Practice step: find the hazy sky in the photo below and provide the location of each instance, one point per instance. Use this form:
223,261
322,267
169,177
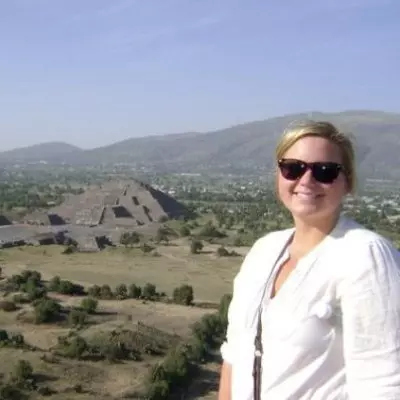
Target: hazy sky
91,72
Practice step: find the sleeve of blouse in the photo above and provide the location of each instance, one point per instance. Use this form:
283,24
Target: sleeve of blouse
236,305
370,303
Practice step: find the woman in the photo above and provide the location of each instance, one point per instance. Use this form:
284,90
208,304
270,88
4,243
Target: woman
325,295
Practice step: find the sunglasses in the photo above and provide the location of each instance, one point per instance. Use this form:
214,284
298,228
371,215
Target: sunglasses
322,172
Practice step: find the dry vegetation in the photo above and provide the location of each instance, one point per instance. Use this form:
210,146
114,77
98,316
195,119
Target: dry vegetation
101,370
210,275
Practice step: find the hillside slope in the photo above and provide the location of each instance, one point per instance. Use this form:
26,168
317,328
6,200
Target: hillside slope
251,145
51,151
245,147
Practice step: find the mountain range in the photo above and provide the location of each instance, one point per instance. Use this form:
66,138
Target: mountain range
245,147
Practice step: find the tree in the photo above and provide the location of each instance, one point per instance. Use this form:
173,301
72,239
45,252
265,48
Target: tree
149,291
135,291
183,295
121,291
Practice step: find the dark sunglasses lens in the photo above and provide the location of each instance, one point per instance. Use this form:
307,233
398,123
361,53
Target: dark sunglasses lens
292,170
326,172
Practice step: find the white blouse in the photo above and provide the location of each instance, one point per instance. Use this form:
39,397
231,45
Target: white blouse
332,332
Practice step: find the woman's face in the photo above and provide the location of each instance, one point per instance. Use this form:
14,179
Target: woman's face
310,198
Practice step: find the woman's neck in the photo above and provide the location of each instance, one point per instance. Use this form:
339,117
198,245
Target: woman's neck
308,235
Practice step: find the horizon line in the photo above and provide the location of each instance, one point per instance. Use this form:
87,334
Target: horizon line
158,135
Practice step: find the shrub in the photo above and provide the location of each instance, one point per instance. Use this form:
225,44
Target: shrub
149,291
78,388
184,231
77,318
7,306
16,279
197,350
238,242
157,373
129,238
3,335
10,392
158,390
75,348
209,230
66,287
21,299
95,291
14,282
70,249
135,291
54,284
32,275
146,248
17,339
69,288
106,292
45,391
163,219
121,292
34,289
176,367
112,351
209,329
89,304
183,295
22,371
47,310
196,246
224,307
223,252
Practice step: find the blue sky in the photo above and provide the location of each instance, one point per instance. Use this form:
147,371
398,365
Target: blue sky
92,72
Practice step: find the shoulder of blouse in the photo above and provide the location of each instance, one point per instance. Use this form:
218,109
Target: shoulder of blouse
365,252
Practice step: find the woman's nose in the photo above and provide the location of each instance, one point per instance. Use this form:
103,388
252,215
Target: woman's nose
307,177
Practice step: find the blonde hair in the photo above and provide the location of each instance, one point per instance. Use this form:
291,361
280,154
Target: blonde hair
327,131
